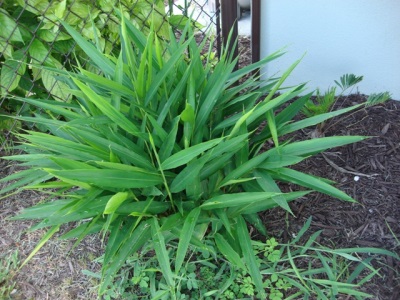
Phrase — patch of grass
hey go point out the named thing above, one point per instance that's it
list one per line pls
(8, 268)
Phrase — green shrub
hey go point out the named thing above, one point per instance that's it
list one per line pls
(164, 147)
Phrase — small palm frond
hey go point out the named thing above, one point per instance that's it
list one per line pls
(348, 80)
(374, 99)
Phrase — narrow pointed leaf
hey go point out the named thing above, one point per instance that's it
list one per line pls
(111, 178)
(184, 240)
(230, 254)
(161, 252)
(249, 256)
(184, 156)
(239, 199)
(309, 181)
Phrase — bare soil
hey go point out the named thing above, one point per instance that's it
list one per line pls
(368, 171)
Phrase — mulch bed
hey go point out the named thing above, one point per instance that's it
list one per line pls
(372, 222)
(368, 171)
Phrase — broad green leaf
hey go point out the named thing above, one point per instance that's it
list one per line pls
(169, 142)
(110, 178)
(312, 121)
(311, 147)
(279, 161)
(184, 240)
(309, 181)
(12, 70)
(260, 110)
(237, 199)
(187, 176)
(9, 28)
(58, 89)
(62, 108)
(238, 181)
(245, 168)
(261, 206)
(79, 230)
(129, 154)
(69, 164)
(184, 156)
(115, 202)
(7, 49)
(40, 54)
(117, 88)
(65, 147)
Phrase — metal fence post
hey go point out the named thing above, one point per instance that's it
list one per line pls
(229, 14)
(255, 30)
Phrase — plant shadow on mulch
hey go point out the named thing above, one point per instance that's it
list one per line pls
(55, 273)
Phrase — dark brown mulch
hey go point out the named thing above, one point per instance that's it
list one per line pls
(368, 171)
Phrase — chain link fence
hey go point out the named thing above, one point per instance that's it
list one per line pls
(31, 34)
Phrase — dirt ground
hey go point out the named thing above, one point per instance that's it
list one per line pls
(368, 171)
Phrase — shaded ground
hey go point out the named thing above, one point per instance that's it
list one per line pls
(54, 273)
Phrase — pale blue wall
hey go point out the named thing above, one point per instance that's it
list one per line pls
(339, 36)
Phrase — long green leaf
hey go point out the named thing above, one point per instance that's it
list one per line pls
(110, 178)
(231, 255)
(106, 65)
(108, 109)
(184, 240)
(314, 120)
(239, 199)
(122, 243)
(249, 256)
(309, 181)
(162, 254)
(310, 147)
(184, 156)
(41, 243)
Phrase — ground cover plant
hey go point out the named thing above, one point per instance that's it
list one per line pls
(163, 147)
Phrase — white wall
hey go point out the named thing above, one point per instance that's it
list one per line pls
(340, 36)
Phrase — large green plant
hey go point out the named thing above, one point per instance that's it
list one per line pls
(164, 146)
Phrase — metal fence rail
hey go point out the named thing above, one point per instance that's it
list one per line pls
(31, 34)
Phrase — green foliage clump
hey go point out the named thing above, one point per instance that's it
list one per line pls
(163, 148)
